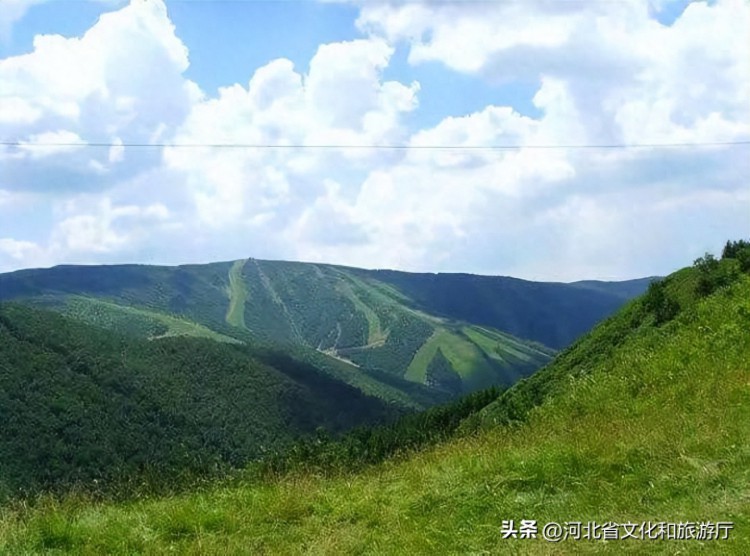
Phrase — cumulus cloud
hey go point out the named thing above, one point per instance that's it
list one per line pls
(20, 253)
(107, 228)
(635, 78)
(122, 78)
(605, 73)
(18, 250)
(342, 100)
(48, 143)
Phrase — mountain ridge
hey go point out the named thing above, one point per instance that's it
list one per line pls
(583, 281)
(379, 322)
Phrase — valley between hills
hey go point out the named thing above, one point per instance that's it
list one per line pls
(269, 407)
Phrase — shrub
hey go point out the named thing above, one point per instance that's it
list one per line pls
(658, 301)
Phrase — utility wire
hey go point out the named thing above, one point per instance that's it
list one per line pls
(21, 144)
(382, 2)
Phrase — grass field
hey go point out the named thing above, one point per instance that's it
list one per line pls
(237, 294)
(465, 358)
(470, 350)
(493, 344)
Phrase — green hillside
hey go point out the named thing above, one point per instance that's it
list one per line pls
(378, 331)
(553, 314)
(80, 405)
(366, 323)
(133, 321)
(647, 418)
(153, 324)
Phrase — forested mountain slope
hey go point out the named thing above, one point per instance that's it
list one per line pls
(450, 333)
(553, 314)
(644, 420)
(80, 404)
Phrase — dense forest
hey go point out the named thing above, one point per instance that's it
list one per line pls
(84, 406)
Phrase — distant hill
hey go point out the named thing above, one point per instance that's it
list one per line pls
(551, 313)
(625, 289)
(378, 330)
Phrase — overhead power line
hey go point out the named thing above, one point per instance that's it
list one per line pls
(400, 2)
(22, 144)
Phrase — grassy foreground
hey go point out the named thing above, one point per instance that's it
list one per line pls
(660, 431)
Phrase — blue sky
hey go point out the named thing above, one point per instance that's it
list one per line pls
(229, 40)
(470, 74)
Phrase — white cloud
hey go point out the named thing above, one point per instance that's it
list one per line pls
(41, 145)
(636, 79)
(607, 72)
(330, 222)
(342, 100)
(116, 151)
(15, 253)
(15, 249)
(122, 79)
(626, 233)
(17, 110)
(106, 228)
